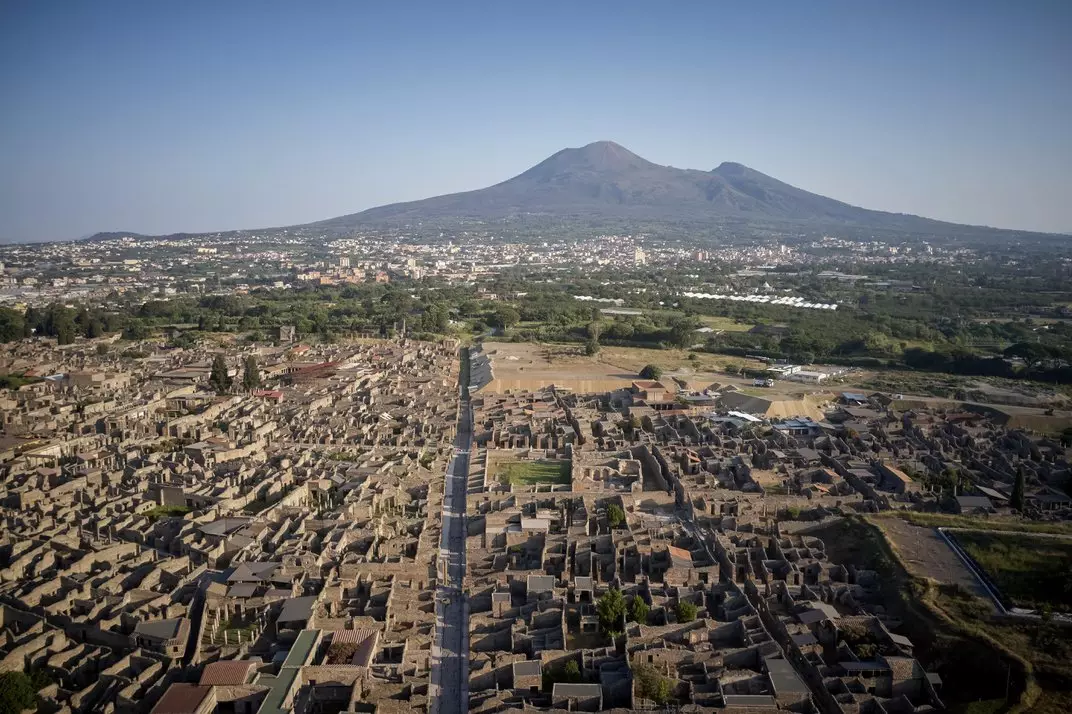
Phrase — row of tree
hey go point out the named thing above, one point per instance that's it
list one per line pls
(220, 378)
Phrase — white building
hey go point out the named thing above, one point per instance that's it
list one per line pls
(808, 376)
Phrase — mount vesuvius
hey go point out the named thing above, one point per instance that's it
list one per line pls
(605, 183)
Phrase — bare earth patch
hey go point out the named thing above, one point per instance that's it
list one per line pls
(928, 556)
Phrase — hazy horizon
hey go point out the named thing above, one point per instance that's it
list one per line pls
(199, 117)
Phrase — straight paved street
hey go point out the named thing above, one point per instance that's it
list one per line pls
(450, 662)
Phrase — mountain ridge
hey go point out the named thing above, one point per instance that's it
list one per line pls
(605, 182)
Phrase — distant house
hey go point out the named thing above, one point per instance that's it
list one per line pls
(229, 673)
(890, 676)
(577, 697)
(894, 479)
(296, 612)
(808, 376)
(528, 675)
(995, 496)
(650, 391)
(973, 504)
(168, 637)
(1049, 499)
(286, 333)
(181, 698)
(789, 690)
(799, 427)
(539, 587)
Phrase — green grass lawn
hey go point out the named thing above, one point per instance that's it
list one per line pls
(167, 511)
(1030, 571)
(725, 323)
(991, 523)
(529, 473)
(14, 381)
(236, 631)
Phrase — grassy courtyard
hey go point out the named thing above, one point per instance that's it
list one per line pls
(1029, 571)
(531, 473)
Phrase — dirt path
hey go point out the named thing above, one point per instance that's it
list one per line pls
(926, 555)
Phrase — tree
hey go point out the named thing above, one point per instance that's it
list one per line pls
(251, 375)
(1066, 437)
(136, 331)
(16, 693)
(685, 611)
(31, 320)
(591, 346)
(682, 331)
(611, 610)
(12, 325)
(1031, 353)
(650, 684)
(183, 341)
(59, 323)
(1017, 499)
(638, 610)
(504, 317)
(94, 328)
(615, 515)
(569, 673)
(651, 371)
(219, 379)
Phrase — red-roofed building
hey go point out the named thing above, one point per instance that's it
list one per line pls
(229, 672)
(362, 641)
(650, 391)
(681, 557)
(186, 699)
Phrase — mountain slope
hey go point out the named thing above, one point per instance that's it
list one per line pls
(606, 181)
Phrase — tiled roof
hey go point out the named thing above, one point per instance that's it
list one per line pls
(365, 637)
(901, 667)
(676, 552)
(159, 629)
(228, 672)
(182, 699)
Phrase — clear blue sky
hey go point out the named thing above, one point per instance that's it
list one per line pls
(166, 115)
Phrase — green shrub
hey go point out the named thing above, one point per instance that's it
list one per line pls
(685, 611)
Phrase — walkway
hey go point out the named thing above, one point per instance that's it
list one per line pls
(450, 662)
